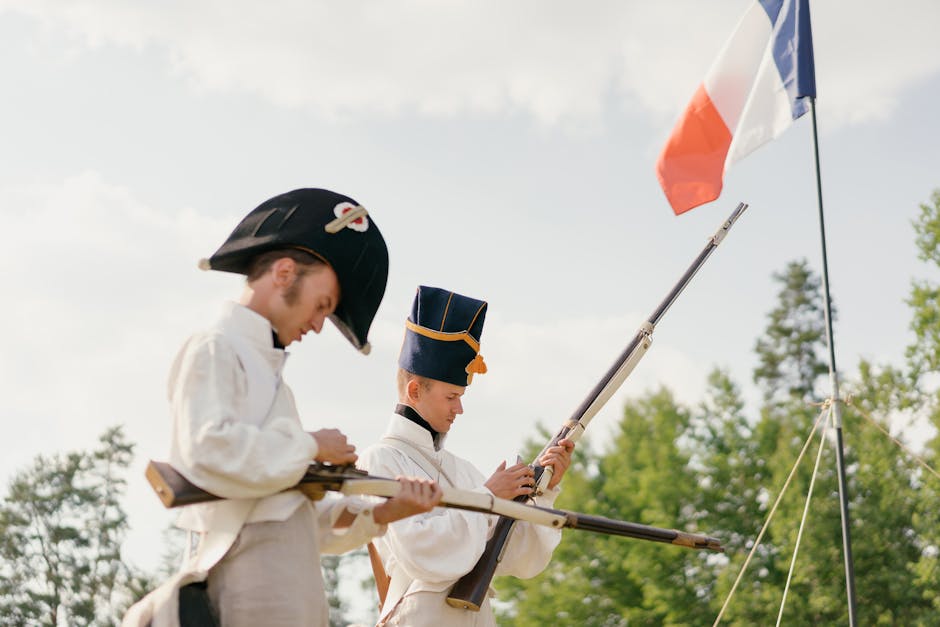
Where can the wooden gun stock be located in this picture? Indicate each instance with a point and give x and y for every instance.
(174, 489)
(470, 590)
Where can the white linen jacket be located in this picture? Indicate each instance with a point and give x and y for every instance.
(430, 552)
(236, 433)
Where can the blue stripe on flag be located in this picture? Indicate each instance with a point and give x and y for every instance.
(793, 50)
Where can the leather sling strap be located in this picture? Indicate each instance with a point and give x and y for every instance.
(382, 580)
(419, 457)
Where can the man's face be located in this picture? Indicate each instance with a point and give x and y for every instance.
(439, 404)
(305, 304)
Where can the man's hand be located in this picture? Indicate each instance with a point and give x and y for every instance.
(415, 497)
(333, 448)
(508, 483)
(559, 458)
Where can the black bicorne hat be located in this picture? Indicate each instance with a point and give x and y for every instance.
(331, 227)
(442, 336)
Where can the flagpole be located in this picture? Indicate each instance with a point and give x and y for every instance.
(834, 383)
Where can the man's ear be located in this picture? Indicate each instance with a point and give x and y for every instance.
(413, 389)
(284, 271)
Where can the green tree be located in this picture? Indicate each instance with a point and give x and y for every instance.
(335, 567)
(61, 527)
(924, 352)
(886, 505)
(642, 476)
(924, 362)
(731, 472)
(790, 363)
(566, 590)
(650, 480)
(724, 470)
(330, 566)
(731, 477)
(892, 559)
(790, 350)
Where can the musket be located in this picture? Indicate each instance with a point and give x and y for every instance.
(175, 490)
(470, 590)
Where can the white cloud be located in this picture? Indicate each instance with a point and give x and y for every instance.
(97, 305)
(96, 290)
(557, 62)
(868, 54)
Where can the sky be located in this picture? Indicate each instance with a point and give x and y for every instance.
(505, 150)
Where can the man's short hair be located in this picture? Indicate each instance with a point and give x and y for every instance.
(305, 261)
(404, 377)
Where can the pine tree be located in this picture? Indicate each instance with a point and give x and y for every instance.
(789, 351)
(790, 364)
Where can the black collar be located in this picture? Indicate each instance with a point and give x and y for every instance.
(406, 411)
(276, 341)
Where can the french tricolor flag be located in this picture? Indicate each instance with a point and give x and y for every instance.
(754, 90)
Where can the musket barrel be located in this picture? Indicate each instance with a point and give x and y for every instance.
(600, 524)
(635, 350)
(693, 269)
(470, 589)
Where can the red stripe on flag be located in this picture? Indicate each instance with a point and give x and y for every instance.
(691, 164)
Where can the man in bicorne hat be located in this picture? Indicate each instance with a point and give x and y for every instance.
(425, 555)
(308, 255)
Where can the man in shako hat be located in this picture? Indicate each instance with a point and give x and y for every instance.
(425, 555)
(308, 255)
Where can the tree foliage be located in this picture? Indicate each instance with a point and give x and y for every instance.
(790, 350)
(924, 352)
(351, 566)
(718, 468)
(924, 362)
(61, 527)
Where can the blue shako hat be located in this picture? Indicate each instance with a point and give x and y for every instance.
(331, 227)
(442, 337)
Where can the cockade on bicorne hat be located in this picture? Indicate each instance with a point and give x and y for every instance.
(333, 228)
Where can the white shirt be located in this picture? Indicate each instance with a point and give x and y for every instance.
(430, 552)
(236, 431)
